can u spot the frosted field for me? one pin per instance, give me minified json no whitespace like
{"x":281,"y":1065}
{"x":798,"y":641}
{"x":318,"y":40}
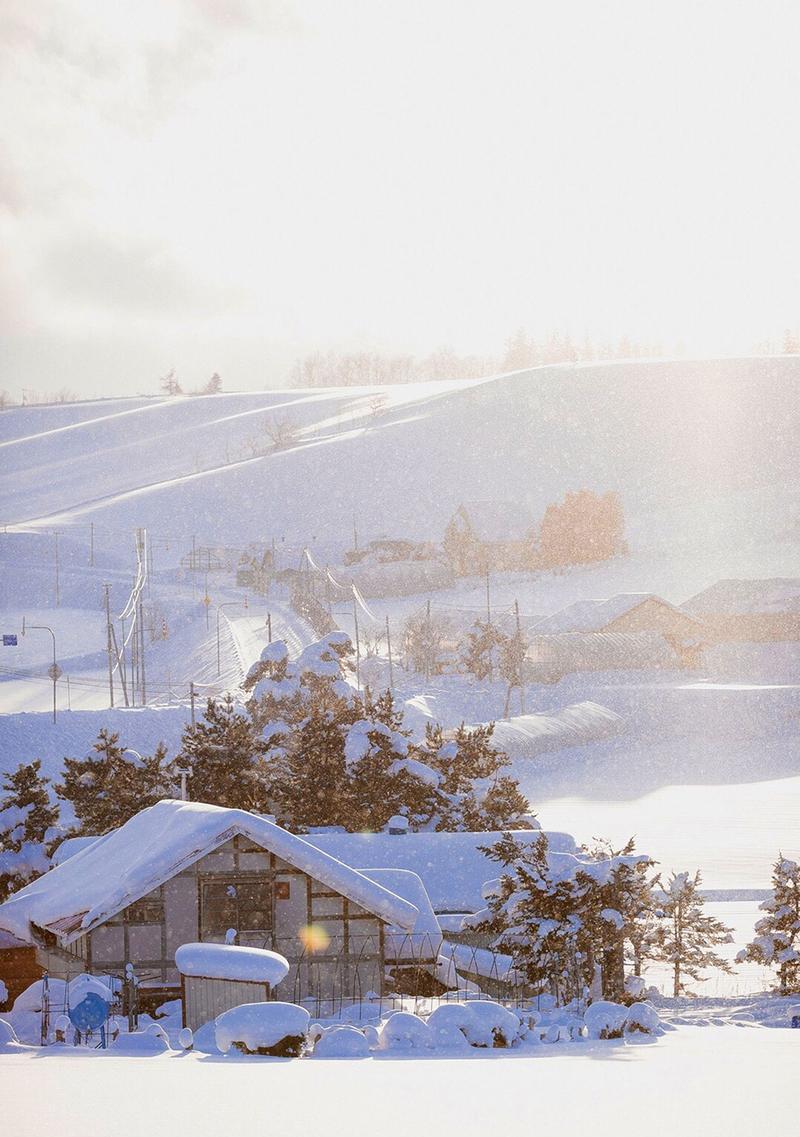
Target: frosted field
{"x":700,"y":1082}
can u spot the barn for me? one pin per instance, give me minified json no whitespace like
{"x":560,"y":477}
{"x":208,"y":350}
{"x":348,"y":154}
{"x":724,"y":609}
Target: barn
{"x":185,"y":872}
{"x":749,"y":611}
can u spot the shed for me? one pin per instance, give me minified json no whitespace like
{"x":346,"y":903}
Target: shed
{"x":217,"y":977}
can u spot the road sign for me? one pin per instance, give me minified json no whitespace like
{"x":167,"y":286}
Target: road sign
{"x":9,"y":641}
{"x":54,"y":671}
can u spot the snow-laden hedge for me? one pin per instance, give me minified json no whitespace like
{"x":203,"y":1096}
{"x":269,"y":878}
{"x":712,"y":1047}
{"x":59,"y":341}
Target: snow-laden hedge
{"x":278,"y":1029}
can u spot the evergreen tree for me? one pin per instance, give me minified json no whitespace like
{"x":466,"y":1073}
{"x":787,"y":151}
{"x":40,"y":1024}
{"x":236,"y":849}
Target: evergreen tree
{"x":221,"y":753}
{"x":27,"y":821}
{"x":112,"y":784}
{"x":777,"y":943}
{"x":687,"y":936}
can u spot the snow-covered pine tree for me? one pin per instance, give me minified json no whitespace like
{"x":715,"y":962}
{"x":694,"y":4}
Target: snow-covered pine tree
{"x":27,"y":821}
{"x":112,"y":784}
{"x":222,"y":752}
{"x":777,"y":943}
{"x":474,"y":794}
{"x":687,"y":936}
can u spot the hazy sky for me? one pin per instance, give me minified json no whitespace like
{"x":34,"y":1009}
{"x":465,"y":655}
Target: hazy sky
{"x":222,"y":185}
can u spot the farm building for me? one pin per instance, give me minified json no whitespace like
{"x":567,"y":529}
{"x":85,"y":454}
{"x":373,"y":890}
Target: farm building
{"x":183,"y":872}
{"x":495,"y":536}
{"x":630,"y":631}
{"x":749,"y":611}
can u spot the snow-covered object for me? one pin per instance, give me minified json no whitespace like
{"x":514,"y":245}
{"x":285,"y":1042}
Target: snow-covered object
{"x":426,"y":939}
{"x":186,"y":1038}
{"x":8,"y":1036}
{"x":528,"y":736}
{"x":643,"y":1018}
{"x":31,"y":998}
{"x":152,"y":1040}
{"x":634,"y":986}
{"x":342,"y":1042}
{"x":3,"y":992}
{"x":227,"y":961}
{"x":156,"y":844}
{"x":404,"y":1031}
{"x":255,"y":1027}
{"x":605,"y":1020}
{"x":448,"y":1025}
{"x":492,"y":1025}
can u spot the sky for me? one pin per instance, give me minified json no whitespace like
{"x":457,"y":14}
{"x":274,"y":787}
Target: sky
{"x":225,"y":186}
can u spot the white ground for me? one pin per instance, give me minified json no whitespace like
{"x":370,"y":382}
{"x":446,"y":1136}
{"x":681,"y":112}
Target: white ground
{"x":700,"y":1082}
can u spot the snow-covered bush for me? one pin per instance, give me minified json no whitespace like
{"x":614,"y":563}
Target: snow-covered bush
{"x":605,"y":1020}
{"x":186,"y":1038}
{"x":152,"y":1040}
{"x":278,"y":1029}
{"x":644,"y":1019}
{"x":342,"y":1042}
{"x":404,"y":1031}
{"x":492,"y":1025}
{"x":448,"y":1025}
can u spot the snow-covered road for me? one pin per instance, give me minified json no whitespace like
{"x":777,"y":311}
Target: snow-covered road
{"x":697,"y":1081}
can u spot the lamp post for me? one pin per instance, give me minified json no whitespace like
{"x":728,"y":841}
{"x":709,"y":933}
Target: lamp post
{"x":227,"y":604}
{"x":54,"y":671}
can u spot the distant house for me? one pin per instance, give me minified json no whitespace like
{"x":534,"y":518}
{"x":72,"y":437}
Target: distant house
{"x":395,"y":567}
{"x":630,"y":631}
{"x":749,"y":611}
{"x":183,"y":872}
{"x":489,"y":535}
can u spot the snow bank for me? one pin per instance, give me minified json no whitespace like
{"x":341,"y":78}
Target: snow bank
{"x":228,"y":961}
{"x":255,"y":1028}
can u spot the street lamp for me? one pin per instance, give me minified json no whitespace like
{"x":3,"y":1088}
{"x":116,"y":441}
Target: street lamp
{"x":54,"y":671}
{"x":227,"y":604}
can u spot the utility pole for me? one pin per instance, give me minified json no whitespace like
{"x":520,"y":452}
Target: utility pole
{"x":191,"y":700}
{"x":121,"y":662}
{"x":355,"y":533}
{"x":269,"y":627}
{"x":108,"y":644}
{"x":389,"y":647}
{"x":58,"y":584}
{"x":358,"y":646}
{"x":488,"y":604}
{"x":519,"y":646}
{"x":141,"y":654}
{"x":194,"y":566}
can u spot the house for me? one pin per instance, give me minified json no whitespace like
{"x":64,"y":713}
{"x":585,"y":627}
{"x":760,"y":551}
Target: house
{"x":630,"y":631}
{"x":749,"y":611}
{"x":183,"y":872}
{"x":483,"y":536}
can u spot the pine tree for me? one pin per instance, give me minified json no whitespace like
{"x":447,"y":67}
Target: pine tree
{"x":777,"y":943}
{"x":27,"y":821}
{"x":221,"y":753}
{"x":687,"y":936}
{"x":111,"y":784}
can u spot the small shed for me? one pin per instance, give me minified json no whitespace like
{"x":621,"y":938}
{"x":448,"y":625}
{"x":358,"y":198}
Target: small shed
{"x":217,"y":977}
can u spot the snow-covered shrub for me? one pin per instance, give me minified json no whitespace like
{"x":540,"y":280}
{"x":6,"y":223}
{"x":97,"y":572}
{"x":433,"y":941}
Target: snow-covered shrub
{"x":492,"y":1025}
{"x":605,"y":1020}
{"x":448,"y":1025}
{"x":634,"y":986}
{"x":643,"y":1018}
{"x":186,"y":1038}
{"x":342,"y":1042}
{"x":152,"y":1040}
{"x":278,"y":1029}
{"x":404,"y":1031}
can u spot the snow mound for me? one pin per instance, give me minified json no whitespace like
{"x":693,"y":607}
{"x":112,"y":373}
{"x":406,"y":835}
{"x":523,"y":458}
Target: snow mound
{"x":611,"y":1020}
{"x":491,"y":1025}
{"x":228,"y":961}
{"x":644,"y":1018}
{"x":342,"y":1042}
{"x":152,"y":1040}
{"x":404,"y":1031}
{"x":263,"y":1028}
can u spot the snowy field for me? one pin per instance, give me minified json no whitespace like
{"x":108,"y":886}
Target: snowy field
{"x":701,"y":1082}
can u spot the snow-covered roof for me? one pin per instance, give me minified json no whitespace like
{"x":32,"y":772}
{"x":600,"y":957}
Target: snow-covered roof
{"x":159,"y":842}
{"x":595,"y":615}
{"x":426,"y":938}
{"x":498,"y":520}
{"x":69,"y":847}
{"x":232,"y":961}
{"x":747,"y":598}
{"x":451,"y":866}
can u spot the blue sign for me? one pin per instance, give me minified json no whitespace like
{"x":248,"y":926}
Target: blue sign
{"x":9,"y":641}
{"x":90,"y":1013}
